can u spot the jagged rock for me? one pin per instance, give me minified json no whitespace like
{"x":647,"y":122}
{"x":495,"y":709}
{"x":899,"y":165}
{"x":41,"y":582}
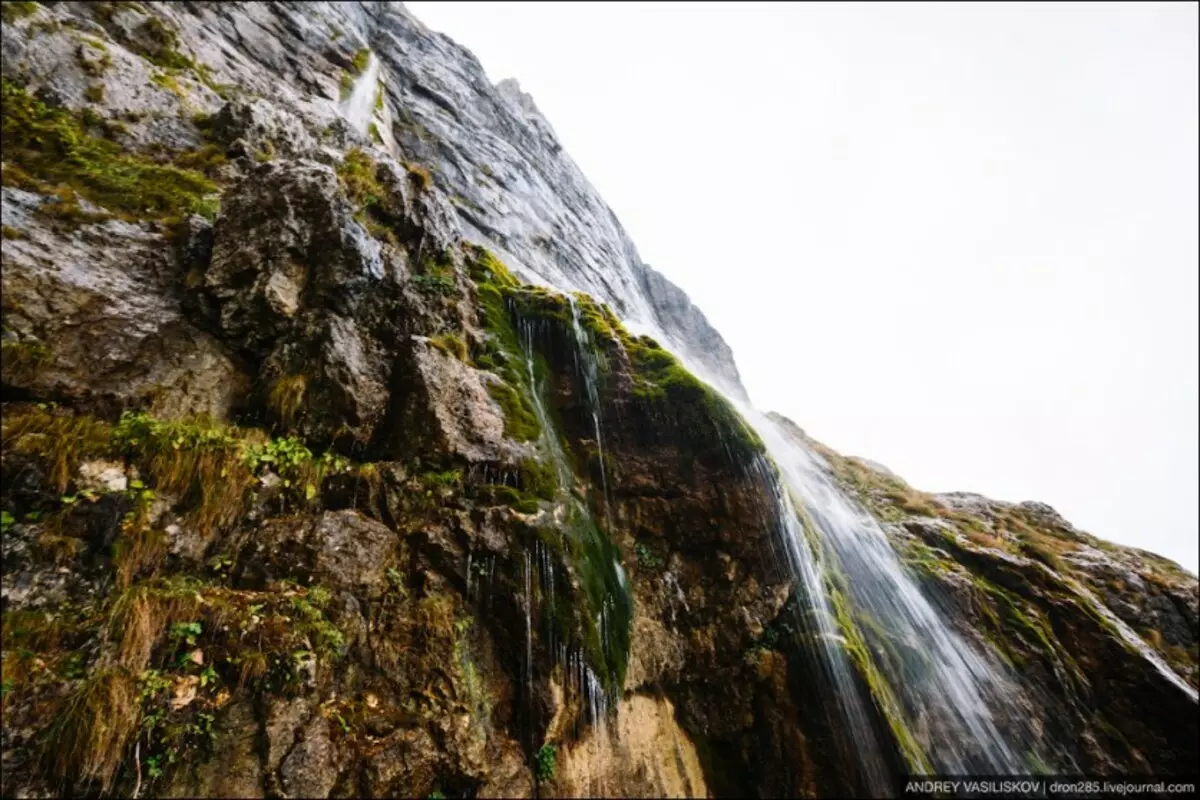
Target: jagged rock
{"x":310,"y":769}
{"x":339,"y":549}
{"x":445,"y":406}
{"x":235,"y":770}
{"x":285,"y":242}
{"x":101,"y":305}
{"x":261,"y":128}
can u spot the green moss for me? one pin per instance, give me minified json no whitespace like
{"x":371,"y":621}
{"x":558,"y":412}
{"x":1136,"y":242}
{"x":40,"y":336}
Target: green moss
{"x":94,"y":93}
{"x":51,"y":146}
{"x":436,"y":284}
{"x":14,"y":10}
{"x":376,"y":136}
{"x":452,"y":344}
{"x":360,"y":59}
{"x":881,"y":691}
{"x":205,"y":159}
{"x":507,"y":495}
{"x":10,"y":232}
{"x":267,"y":153}
{"x":500,"y":350}
{"x":345,"y":86}
{"x":359,"y":178}
{"x":93,"y":65}
{"x":520,"y":423}
{"x":379,"y":97}
{"x":539,"y":479}
{"x":168,"y":81}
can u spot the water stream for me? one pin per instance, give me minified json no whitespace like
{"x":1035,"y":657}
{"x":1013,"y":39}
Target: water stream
{"x":359,"y":107}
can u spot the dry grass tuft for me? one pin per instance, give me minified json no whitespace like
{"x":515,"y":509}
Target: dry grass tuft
{"x":88,"y":740}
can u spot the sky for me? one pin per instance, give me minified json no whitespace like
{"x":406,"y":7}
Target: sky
{"x":957,"y":240}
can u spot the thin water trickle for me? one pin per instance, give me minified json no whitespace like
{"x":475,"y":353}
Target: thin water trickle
{"x":529,"y":631}
{"x":585,"y":362}
{"x":359,"y":107}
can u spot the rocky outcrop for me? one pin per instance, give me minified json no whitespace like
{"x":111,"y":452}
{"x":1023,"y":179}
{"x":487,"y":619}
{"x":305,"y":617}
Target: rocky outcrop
{"x":307,"y":493}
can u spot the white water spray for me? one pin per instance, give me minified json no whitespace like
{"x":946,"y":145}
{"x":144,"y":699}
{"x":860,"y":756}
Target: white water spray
{"x":359,"y":107}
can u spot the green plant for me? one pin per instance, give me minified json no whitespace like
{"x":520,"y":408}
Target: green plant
{"x":46,"y":147}
{"x":435,"y":285}
{"x":6,"y":521}
{"x":187,"y":631}
{"x":647,"y":557}
{"x":359,"y":60}
{"x":545,"y":760}
{"x":94,"y":93}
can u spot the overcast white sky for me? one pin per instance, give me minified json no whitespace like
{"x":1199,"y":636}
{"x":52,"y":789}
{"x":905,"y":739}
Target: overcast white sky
{"x":959,"y":240}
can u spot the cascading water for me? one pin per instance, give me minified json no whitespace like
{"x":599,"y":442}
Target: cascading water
{"x":943,"y":699}
{"x":359,"y":107}
{"x":950,"y":692}
{"x":609,"y":587}
{"x":588,"y":369}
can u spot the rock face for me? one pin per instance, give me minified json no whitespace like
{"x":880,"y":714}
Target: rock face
{"x":312,"y":487}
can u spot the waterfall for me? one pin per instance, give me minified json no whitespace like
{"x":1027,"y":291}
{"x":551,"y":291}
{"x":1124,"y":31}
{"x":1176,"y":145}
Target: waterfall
{"x":359,"y":107}
{"x":947,"y":689}
{"x":585,"y":363}
{"x":943,"y":699}
{"x":605,"y":582}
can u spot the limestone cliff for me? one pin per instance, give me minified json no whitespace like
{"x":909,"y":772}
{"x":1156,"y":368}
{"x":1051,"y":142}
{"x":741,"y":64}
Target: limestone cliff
{"x":330,"y":468}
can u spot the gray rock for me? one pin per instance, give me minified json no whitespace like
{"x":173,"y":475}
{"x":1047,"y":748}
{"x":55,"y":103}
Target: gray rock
{"x":338,"y":550}
{"x":444,"y":405}
{"x":310,"y":769}
{"x":103,"y":301}
{"x":262,"y":127}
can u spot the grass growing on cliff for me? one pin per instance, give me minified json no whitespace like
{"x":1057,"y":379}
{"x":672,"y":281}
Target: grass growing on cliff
{"x":501,"y":351}
{"x":88,"y":741}
{"x":14,"y":10}
{"x":45,"y":148}
{"x":61,"y":439}
{"x":52,"y":147}
{"x":20,"y":361}
{"x":286,"y":396}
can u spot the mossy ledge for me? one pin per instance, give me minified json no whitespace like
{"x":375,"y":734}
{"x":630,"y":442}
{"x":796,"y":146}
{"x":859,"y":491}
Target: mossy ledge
{"x":51,"y":150}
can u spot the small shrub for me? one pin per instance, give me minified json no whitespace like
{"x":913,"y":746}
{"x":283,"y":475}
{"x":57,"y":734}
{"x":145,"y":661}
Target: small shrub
{"x":546,"y":761}
{"x":420,"y":177}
